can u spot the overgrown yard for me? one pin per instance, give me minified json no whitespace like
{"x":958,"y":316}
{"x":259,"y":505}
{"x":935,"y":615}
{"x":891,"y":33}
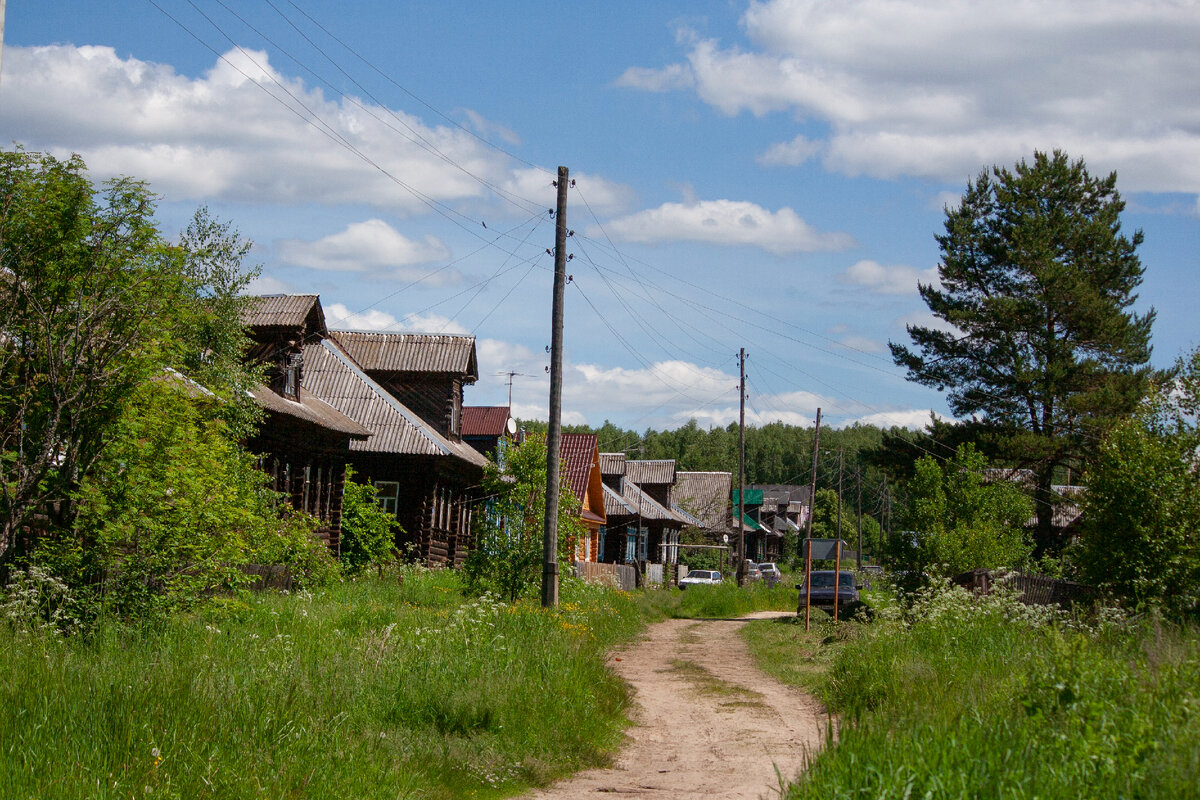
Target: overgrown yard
{"x":968,"y":697}
{"x":395,"y":687}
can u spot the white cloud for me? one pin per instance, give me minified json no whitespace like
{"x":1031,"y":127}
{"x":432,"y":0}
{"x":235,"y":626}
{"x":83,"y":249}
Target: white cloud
{"x":727,"y":222}
{"x":266,"y":284}
{"x":916,"y":419}
{"x":924,"y":319}
{"x":221,"y":136}
{"x":673,"y":76}
{"x":372,"y":246}
{"x":339,"y":317}
{"x":601,"y":195}
{"x":790,"y":154}
{"x":893,"y":279}
{"x":941,"y":89}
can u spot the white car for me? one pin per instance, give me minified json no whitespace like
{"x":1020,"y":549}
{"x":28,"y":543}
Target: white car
{"x":700,"y":577}
{"x":770,"y":571}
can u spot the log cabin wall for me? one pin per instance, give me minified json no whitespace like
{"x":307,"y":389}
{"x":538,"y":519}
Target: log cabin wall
{"x":308,"y":465}
{"x":436,"y":398}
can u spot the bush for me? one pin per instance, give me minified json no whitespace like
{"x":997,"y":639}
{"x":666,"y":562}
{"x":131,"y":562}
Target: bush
{"x":368,"y":532}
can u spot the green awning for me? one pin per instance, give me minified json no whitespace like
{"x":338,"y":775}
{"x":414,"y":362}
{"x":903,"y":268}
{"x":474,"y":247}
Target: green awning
{"x":754,"y":526}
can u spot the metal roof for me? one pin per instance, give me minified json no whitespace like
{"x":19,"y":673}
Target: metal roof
{"x":282,"y":310}
{"x":617,"y":505}
{"x":310,"y":408}
{"x":575,"y":452}
{"x":331,"y":374}
{"x":646,"y":506}
{"x":485,"y":420}
{"x":411,"y":352}
{"x":704,"y":496}
{"x":778,"y":494}
{"x":612,"y":463}
{"x":658,"y":471}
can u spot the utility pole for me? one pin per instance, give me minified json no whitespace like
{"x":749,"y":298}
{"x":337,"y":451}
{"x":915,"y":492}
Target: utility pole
{"x":839,"y":523}
{"x":740,"y":571}
{"x":858,"y":512}
{"x":812,"y":493}
{"x":554,"y":432}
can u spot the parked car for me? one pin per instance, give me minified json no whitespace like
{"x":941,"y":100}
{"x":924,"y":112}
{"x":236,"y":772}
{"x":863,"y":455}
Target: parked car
{"x":700,"y":577}
{"x":769,"y":570}
{"x":753,"y":573}
{"x":822,"y":594}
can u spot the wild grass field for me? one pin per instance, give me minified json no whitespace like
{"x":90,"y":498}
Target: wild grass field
{"x":964,"y":697}
{"x":393,"y":687}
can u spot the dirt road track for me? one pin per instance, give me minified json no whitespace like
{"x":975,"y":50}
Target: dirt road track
{"x":707,"y":722}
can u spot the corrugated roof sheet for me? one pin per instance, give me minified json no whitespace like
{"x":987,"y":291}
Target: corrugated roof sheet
{"x":283,"y":310}
{"x":617,"y":505}
{"x":657,"y":471}
{"x":687,"y":518}
{"x":575,"y":453}
{"x":411,"y":352}
{"x":705,"y":496}
{"x":612,"y":463}
{"x":331,"y":374}
{"x":311,"y":409}
{"x":646,"y":506}
{"x":485,"y":420}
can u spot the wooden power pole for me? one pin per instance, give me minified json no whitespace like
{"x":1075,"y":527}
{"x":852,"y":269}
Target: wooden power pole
{"x":812,"y":492}
{"x":554,"y":431}
{"x":741,"y":509}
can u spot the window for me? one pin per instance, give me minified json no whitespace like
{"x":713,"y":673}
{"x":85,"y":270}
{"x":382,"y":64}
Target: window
{"x":388,"y":495}
{"x":291,"y":377}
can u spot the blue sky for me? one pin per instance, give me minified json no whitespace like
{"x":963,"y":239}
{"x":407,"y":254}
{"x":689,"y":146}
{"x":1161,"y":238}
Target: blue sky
{"x":768,"y":175}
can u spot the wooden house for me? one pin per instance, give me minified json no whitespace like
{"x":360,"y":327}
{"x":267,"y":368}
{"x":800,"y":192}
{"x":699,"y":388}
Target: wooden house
{"x":580,"y":457}
{"x":641,"y":526}
{"x":303,"y":441}
{"x":353,"y":384}
{"x":421,"y":469}
{"x":783,"y":511}
{"x":489,"y":429}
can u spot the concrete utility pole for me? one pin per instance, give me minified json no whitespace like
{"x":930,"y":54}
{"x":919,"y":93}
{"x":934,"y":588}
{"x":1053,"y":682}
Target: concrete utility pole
{"x":554,"y":432}
{"x":741,"y":515}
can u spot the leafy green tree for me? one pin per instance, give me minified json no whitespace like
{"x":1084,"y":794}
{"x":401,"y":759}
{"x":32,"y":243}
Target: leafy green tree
{"x":86,"y":282}
{"x":507,"y":557}
{"x":368,"y":532}
{"x":1141,"y":513}
{"x":957,"y":520}
{"x":1035,"y":285}
{"x":174,"y":509}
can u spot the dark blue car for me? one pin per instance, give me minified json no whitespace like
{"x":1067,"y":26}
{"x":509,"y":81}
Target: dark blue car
{"x":822,"y":593}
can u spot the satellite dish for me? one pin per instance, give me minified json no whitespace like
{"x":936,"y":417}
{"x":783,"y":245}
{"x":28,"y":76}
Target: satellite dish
{"x":725,"y":537}
{"x":511,"y":426}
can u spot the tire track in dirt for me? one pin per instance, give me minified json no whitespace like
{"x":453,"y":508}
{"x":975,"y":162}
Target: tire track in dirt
{"x":707,"y":722}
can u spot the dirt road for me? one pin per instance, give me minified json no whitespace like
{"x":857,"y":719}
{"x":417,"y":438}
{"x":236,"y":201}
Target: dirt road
{"x":707,"y":723}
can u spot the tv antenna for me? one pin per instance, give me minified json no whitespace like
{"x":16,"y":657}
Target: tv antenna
{"x":510,"y":376}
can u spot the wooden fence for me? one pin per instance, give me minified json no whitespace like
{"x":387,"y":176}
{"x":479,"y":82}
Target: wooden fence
{"x":1032,"y":589}
{"x":622,"y":576}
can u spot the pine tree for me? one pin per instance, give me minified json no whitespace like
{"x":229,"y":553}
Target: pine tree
{"x":1040,"y":349}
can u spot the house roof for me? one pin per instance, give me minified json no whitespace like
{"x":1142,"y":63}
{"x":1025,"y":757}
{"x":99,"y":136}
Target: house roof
{"x":618,"y":506}
{"x":411,"y":352}
{"x":311,"y":409}
{"x":282,"y":310}
{"x":332,"y":374}
{"x":485,"y":420}
{"x":657,"y":471}
{"x":612,"y":463}
{"x":705,"y":497}
{"x":576,"y":451}
{"x":646,"y":506}
{"x":778,"y":494}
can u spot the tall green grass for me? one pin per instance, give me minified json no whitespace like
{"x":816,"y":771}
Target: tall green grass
{"x":395,"y":687}
{"x":725,"y":600}
{"x":985,"y":698}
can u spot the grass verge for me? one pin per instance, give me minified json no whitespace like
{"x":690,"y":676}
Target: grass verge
{"x":382,"y":688}
{"x":986,"y":698}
